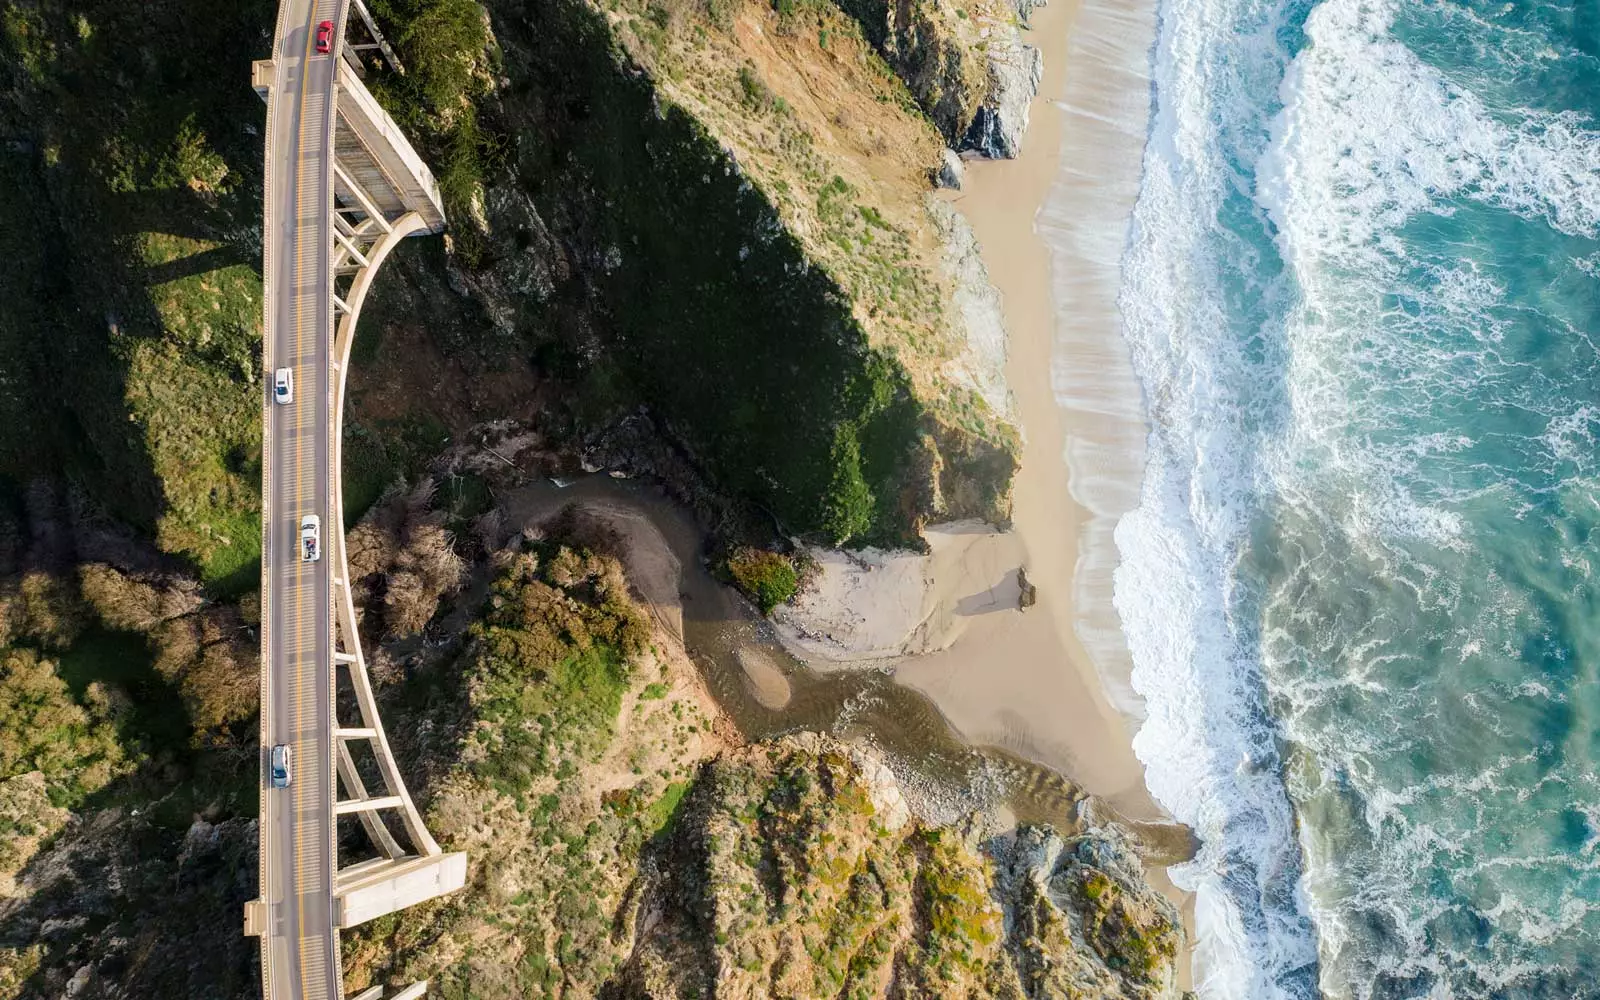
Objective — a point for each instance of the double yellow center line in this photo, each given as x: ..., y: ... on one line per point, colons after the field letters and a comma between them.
x: 299, y: 568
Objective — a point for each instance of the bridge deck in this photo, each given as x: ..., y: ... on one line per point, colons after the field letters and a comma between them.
x: 322, y: 126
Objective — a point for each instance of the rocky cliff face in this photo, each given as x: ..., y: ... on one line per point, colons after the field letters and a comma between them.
x: 794, y: 870
x: 966, y: 63
x: 720, y: 211
x: 1083, y: 922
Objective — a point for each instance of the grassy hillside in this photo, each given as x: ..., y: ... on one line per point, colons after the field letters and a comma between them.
x: 131, y: 259
x: 644, y: 214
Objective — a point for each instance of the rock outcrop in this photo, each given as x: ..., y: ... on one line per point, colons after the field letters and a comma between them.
x: 965, y: 62
x: 1015, y: 70
x: 783, y: 877
x: 1083, y: 921
x: 951, y: 170
x: 980, y: 367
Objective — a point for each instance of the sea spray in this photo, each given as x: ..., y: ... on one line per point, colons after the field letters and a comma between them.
x: 1200, y: 303
x: 1359, y: 294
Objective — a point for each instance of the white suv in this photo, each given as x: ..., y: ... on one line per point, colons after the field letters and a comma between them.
x: 283, y: 385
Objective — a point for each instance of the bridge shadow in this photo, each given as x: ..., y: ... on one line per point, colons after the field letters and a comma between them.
x: 131, y: 170
x: 203, y: 262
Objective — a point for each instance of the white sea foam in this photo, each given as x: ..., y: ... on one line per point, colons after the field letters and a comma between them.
x: 1084, y: 224
x: 1290, y: 373
x: 1206, y: 741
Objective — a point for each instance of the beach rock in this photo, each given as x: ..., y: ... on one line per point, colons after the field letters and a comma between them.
x: 1082, y: 920
x: 795, y: 868
x: 882, y: 788
x: 1015, y: 70
x: 937, y: 53
x: 951, y: 170
x: 1025, y: 8
x: 981, y: 364
x: 966, y: 64
x: 1029, y: 594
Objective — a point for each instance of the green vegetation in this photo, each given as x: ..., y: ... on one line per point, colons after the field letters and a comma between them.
x: 961, y: 926
x: 1139, y: 945
x: 116, y: 696
x: 134, y: 196
x: 73, y: 745
x: 569, y: 627
x: 767, y: 578
x: 450, y: 65
x: 545, y: 677
x: 781, y: 859
x: 744, y: 349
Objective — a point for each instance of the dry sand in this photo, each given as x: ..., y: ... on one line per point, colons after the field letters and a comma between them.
x: 1049, y: 682
x: 1024, y: 679
x: 879, y: 605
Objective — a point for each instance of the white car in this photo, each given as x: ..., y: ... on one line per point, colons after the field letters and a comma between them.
x: 280, y: 766
x: 310, y: 538
x: 283, y: 385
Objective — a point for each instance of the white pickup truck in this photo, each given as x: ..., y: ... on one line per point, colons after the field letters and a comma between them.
x: 310, y: 538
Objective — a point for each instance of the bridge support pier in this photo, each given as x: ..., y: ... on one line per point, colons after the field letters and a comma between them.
x: 408, y: 993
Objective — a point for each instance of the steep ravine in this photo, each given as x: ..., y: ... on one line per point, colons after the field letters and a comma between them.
x: 723, y: 213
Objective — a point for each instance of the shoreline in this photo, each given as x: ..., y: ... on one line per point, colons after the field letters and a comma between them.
x: 1051, y: 682
x: 1000, y: 680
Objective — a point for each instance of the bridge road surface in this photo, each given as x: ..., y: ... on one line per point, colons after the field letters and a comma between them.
x: 299, y: 949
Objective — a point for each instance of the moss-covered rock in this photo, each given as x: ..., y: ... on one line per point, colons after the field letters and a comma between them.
x: 767, y: 578
x: 1085, y: 921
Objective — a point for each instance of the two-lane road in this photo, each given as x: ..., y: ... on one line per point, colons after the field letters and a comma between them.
x: 300, y: 950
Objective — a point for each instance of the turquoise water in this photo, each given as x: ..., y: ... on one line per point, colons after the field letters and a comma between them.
x: 1362, y: 294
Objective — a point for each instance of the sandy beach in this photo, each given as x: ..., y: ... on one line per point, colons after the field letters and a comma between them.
x: 1029, y: 680
x: 1049, y: 682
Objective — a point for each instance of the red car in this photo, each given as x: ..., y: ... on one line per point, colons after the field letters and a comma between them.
x: 325, y: 36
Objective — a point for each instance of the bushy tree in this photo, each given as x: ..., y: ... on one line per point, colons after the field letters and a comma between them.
x: 43, y: 728
x: 848, y: 508
x: 767, y: 578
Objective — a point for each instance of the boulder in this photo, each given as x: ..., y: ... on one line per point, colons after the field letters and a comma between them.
x: 950, y: 171
x: 1015, y: 70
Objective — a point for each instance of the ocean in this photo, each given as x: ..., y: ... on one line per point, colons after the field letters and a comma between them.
x: 1361, y: 293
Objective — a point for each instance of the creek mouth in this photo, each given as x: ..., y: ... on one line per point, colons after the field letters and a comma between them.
x: 749, y: 671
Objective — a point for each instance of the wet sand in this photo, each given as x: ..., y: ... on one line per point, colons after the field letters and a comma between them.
x: 1025, y: 679
x: 1050, y: 683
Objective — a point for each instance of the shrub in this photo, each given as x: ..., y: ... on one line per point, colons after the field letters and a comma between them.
x: 753, y: 92
x: 42, y: 728
x: 767, y: 578
x: 848, y: 507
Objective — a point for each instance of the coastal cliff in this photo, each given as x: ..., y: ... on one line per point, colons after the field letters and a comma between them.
x: 625, y: 840
x: 696, y: 241
x: 711, y: 218
x: 810, y: 352
x: 964, y: 61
